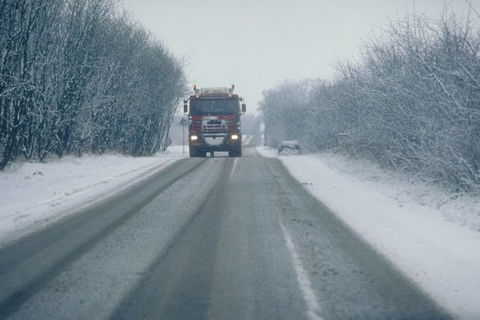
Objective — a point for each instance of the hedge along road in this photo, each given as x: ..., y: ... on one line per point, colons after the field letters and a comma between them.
x: 216, y: 238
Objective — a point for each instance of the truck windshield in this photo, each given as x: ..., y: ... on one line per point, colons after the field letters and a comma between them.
x: 213, y: 106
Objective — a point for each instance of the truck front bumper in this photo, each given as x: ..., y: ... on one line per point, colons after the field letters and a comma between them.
x: 215, y: 141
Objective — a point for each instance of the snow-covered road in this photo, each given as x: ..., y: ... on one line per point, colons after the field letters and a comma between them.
x: 223, y: 238
x: 436, y: 246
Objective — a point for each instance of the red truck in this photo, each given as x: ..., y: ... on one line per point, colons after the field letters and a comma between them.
x: 214, y: 121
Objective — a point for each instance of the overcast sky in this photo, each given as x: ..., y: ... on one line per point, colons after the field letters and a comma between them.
x: 257, y: 44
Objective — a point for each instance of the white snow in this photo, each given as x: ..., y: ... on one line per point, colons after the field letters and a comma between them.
x: 34, y: 194
x: 430, y: 235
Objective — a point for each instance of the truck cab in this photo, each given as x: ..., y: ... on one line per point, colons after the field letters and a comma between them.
x: 214, y: 121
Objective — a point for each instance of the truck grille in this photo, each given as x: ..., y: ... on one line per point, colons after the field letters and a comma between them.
x: 214, y: 127
x: 213, y: 124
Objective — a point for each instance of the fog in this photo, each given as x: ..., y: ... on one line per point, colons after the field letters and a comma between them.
x: 258, y: 44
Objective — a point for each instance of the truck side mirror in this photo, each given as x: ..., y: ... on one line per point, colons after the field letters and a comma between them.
x: 244, y: 107
x: 185, y: 106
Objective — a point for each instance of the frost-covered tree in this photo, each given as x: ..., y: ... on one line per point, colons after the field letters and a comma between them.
x: 412, y: 102
x: 77, y: 77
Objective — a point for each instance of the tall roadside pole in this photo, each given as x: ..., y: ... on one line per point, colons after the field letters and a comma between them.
x: 184, y: 123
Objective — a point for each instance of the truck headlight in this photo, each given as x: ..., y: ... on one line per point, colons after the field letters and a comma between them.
x: 194, y: 137
x: 234, y: 137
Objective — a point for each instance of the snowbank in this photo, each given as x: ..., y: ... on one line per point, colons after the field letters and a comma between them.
x: 35, y: 194
x: 429, y: 235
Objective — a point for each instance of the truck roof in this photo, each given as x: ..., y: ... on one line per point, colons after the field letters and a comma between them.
x: 214, y: 92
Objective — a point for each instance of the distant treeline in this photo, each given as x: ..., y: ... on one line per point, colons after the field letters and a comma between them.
x: 411, y: 102
x: 76, y: 76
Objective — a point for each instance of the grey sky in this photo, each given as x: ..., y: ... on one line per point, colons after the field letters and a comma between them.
x: 258, y: 44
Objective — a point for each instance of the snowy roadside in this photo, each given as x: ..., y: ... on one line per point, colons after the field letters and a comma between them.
x: 33, y: 195
x: 431, y: 237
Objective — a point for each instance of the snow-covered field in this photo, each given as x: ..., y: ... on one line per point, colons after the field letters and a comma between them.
x: 431, y: 236
x: 35, y: 194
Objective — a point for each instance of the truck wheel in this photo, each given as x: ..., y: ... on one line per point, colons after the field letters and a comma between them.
x: 194, y: 152
x: 237, y: 152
